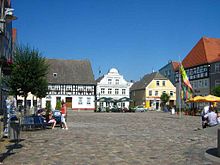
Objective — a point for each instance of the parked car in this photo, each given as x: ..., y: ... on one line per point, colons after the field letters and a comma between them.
x: 140, y: 108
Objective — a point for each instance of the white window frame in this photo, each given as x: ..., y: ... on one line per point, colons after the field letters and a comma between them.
x: 123, y: 91
x: 171, y: 93
x: 55, y: 75
x: 109, y: 81
x: 117, y: 91
x: 102, y: 90
x: 80, y: 101
x: 88, y: 100
x: 117, y: 81
x: 158, y: 83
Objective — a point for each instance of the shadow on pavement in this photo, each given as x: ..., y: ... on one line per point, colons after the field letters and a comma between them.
x: 213, y: 152
x: 14, y: 144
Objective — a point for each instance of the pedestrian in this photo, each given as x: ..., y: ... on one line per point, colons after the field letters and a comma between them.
x: 63, y: 115
x: 172, y: 111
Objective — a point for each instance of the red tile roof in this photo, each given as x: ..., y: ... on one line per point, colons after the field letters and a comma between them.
x: 206, y: 51
x: 175, y: 65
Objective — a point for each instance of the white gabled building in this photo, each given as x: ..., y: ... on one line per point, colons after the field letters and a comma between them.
x: 72, y: 81
x: 112, y: 85
x: 69, y: 80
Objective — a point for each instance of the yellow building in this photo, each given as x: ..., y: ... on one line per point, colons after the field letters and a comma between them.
x: 148, y: 90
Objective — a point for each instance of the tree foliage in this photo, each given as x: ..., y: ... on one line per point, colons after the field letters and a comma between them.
x: 216, y: 91
x: 29, y: 70
x: 164, y: 98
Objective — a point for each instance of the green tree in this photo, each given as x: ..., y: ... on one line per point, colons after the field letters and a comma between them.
x: 58, y: 105
x: 216, y: 91
x: 29, y: 71
x: 164, y: 99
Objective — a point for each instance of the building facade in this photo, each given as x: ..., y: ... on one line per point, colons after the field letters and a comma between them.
x: 113, y: 85
x: 72, y: 81
x: 148, y: 90
x: 202, y: 65
x: 7, y: 39
x: 169, y: 71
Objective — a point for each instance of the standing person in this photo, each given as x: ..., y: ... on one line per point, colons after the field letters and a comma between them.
x: 63, y: 115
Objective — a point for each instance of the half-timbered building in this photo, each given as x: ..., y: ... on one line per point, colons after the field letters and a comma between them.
x: 72, y: 81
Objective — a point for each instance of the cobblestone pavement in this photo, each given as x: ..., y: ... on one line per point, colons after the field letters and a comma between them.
x: 118, y: 138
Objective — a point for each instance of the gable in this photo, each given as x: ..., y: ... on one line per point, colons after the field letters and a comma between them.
x: 70, y: 72
x: 207, y: 50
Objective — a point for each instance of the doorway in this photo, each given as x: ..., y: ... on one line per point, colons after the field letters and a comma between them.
x: 69, y: 102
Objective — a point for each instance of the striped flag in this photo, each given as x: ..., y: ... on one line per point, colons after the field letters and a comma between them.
x: 187, y: 90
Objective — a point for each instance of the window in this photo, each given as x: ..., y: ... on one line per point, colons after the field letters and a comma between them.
x: 80, y: 101
x: 195, y: 84
x: 171, y: 93
x: 117, y: 81
x: 88, y: 100
x: 150, y: 93
x: 116, y: 91
x: 109, y: 81
x: 165, y: 73
x: 217, y: 67
x: 205, y: 83
x: 164, y: 83
x: 55, y: 75
x: 217, y: 83
x: 58, y: 99
x: 158, y: 83
x: 109, y: 91
x: 102, y: 90
x: 156, y: 93
x: 123, y: 91
x: 200, y: 83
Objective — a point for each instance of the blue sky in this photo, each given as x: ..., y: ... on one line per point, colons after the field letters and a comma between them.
x: 134, y: 36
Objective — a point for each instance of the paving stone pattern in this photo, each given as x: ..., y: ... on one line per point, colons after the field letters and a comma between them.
x: 118, y: 138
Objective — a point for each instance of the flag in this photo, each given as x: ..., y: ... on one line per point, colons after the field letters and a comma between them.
x: 187, y: 90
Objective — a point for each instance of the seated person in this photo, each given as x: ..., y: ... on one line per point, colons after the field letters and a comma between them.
x: 204, y: 112
x: 218, y: 118
x: 211, y: 118
x: 52, y: 120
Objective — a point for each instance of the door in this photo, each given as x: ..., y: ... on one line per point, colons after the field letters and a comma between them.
x: 69, y: 102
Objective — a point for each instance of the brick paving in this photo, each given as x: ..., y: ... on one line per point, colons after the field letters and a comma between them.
x: 118, y: 138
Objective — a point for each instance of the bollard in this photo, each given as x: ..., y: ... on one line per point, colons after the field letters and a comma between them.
x: 14, y: 131
x: 218, y: 147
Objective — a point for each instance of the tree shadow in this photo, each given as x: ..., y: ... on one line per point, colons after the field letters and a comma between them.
x: 14, y: 144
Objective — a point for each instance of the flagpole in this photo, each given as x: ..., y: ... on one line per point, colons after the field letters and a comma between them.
x: 180, y: 102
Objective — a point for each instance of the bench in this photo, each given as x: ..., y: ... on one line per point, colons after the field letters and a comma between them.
x: 32, y: 122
